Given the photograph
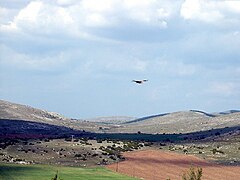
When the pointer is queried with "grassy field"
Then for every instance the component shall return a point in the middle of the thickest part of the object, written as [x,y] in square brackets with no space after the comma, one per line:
[44,172]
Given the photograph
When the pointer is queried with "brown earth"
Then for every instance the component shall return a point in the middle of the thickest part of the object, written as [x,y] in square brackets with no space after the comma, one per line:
[157,165]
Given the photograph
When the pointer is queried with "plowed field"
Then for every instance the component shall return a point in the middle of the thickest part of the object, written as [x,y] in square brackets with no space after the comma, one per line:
[158,165]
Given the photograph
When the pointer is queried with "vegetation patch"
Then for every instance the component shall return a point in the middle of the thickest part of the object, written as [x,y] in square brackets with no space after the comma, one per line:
[32,172]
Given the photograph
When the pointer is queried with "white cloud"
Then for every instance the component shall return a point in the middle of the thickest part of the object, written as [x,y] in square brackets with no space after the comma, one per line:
[125,64]
[66,2]
[98,6]
[210,11]
[72,19]
[223,88]
[18,60]
[96,20]
[151,12]
[30,13]
[175,68]
[233,5]
[6,15]
[38,16]
[122,64]
[136,65]
[76,17]
[86,18]
[201,10]
[138,3]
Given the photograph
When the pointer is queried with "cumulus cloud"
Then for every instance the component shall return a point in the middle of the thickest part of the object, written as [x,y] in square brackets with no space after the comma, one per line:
[210,11]
[6,15]
[66,2]
[194,9]
[75,17]
[186,45]
[42,18]
[71,21]
[86,18]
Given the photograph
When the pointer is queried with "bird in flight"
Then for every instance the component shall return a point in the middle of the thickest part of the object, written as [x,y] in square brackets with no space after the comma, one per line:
[140,81]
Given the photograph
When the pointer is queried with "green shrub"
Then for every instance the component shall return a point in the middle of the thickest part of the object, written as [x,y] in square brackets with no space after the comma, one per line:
[193,174]
[77,155]
[217,151]
[56,177]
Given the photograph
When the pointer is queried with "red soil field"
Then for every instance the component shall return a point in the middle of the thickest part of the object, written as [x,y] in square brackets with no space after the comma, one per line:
[160,165]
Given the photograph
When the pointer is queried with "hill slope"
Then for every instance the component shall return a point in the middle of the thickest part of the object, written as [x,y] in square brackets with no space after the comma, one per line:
[177,122]
[11,111]
[180,122]
[111,119]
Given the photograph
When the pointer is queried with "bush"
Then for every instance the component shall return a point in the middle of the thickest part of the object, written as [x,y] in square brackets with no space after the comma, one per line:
[83,159]
[113,157]
[56,177]
[217,151]
[217,133]
[68,139]
[192,174]
[18,159]
[77,155]
[162,144]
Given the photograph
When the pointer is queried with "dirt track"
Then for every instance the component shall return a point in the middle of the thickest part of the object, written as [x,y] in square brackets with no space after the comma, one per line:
[158,165]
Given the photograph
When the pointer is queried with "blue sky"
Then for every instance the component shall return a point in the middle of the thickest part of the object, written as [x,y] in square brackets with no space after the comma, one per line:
[78,57]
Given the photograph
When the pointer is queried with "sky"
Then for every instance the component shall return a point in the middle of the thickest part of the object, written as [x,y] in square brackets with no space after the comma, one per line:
[78,57]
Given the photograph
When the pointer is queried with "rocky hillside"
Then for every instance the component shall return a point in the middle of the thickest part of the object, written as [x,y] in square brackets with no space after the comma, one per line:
[180,122]
[10,110]
[177,122]
[13,111]
[112,119]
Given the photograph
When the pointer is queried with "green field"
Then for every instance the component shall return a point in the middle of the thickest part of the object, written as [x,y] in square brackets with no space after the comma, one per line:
[44,172]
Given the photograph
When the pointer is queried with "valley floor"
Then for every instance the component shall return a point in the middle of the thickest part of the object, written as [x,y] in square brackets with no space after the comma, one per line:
[46,172]
[158,164]
[82,158]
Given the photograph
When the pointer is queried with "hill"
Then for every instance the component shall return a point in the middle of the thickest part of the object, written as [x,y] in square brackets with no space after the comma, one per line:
[17,118]
[111,119]
[37,136]
[179,122]
[176,122]
[10,110]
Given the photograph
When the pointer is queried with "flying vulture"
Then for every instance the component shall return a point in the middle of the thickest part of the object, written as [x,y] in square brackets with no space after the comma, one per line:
[140,81]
